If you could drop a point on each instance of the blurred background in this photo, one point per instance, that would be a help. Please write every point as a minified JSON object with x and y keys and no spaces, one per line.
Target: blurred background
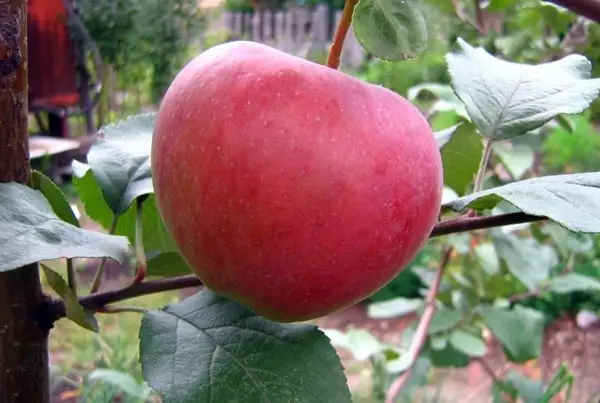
{"x":93,"y":62}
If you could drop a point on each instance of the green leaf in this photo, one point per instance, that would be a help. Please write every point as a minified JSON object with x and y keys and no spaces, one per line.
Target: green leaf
{"x":31,"y":232}
{"x":520,"y":330}
{"x":443,"y":136}
{"x":573,"y":201}
{"x":500,"y":5}
{"x":461,"y":156}
{"x":168,"y":264}
{"x":360,"y":342}
{"x":566,"y":241}
{"x":446,"y":6}
{"x":90,"y":194}
{"x":449,"y":357}
{"x":461,"y":242}
{"x":503,"y":392}
{"x":517,"y":158}
{"x":55,"y":197}
{"x":562,"y":379}
{"x":487,"y":258}
{"x":448,"y":195}
{"x":399,"y":364}
{"x":566,"y":122}
{"x":156,"y":237}
{"x":120,"y":161}
{"x":572,"y":282}
{"x":438,"y":341}
{"x":75,"y":311}
{"x":122,"y":380}
{"x":528,"y":260}
{"x":506,"y":99}
{"x":208,"y":348}
{"x":390,"y":30}
{"x":529,"y":390}
{"x":447,"y":101}
{"x":441,"y":91}
{"x":444,"y":319}
{"x":419,"y":375}
{"x":467,"y":343}
{"x":393,"y":308}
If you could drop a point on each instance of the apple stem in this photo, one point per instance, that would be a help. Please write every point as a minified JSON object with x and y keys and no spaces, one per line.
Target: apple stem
{"x":333,"y":58}
{"x":142,"y":266}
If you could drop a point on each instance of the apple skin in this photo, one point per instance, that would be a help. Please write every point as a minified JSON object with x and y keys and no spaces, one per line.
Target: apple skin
{"x":290,"y":187}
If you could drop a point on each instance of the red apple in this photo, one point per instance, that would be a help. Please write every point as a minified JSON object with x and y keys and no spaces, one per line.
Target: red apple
{"x":290,"y":187}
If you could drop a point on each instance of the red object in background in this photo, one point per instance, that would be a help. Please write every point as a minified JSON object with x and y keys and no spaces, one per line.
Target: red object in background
{"x":52,"y":59}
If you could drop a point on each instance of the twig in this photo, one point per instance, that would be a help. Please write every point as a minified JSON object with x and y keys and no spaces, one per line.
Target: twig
{"x":526,"y":295}
{"x":97,"y":281}
{"x":545,"y":288}
{"x":493,"y":376}
{"x":71,"y":279}
{"x":96,"y":301}
{"x":139,"y":243}
{"x":333,"y":58}
{"x":479,"y":16}
{"x":487,"y":369}
{"x":465,"y":223}
{"x":462,"y":15}
{"x":483,"y":163}
{"x":122,"y":309}
{"x":485,"y":159}
{"x":423,"y":327}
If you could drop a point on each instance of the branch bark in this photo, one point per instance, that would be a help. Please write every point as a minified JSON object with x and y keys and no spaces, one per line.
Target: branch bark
{"x":422,"y":331}
{"x":464,"y":224}
{"x":586,"y":8}
{"x":95,"y":301}
{"x":24,"y":376}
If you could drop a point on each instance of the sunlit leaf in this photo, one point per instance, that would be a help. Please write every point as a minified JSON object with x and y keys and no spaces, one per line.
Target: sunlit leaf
{"x":506,"y":99}
{"x":573,"y":201}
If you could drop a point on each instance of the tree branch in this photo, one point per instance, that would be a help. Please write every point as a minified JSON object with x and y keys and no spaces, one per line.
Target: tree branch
{"x":96,"y":301}
{"x":420,"y":337}
{"x":465,"y":223}
{"x":586,"y":8}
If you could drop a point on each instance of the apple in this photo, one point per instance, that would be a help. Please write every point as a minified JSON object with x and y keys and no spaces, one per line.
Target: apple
{"x":290,"y":187}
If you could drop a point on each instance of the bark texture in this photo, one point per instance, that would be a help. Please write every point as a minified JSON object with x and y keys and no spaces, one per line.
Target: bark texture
{"x":23,"y":341}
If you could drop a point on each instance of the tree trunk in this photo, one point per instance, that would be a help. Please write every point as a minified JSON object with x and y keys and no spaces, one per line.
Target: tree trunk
{"x":23,"y":344}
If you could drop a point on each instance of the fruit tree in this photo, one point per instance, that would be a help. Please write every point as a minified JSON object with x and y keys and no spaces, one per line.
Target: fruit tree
{"x":288,"y":190}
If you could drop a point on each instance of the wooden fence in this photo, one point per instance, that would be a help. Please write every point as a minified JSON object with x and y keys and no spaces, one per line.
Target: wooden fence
{"x":305,"y":32}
